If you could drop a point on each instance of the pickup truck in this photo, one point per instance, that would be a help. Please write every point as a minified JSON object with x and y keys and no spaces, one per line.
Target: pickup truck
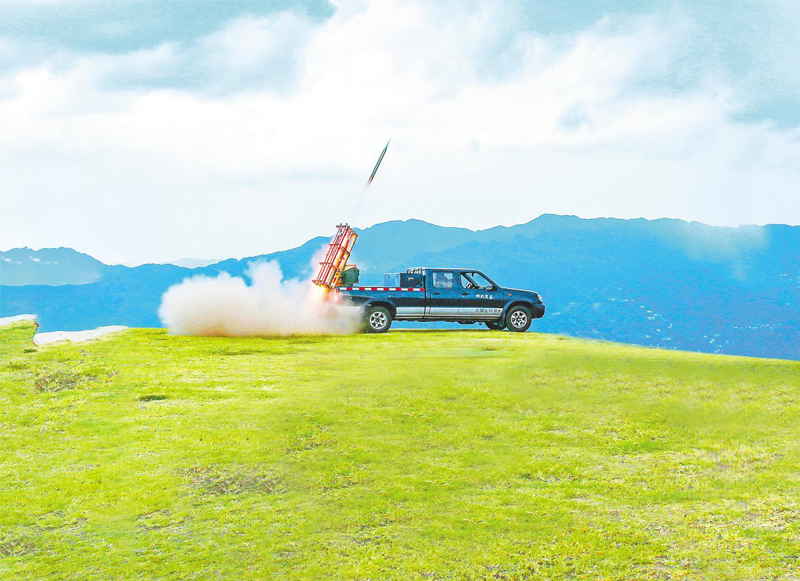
{"x":462,"y":295}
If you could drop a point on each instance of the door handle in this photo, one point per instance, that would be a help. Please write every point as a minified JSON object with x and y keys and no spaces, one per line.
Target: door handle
{"x":464,"y":294}
{"x":436,"y":293}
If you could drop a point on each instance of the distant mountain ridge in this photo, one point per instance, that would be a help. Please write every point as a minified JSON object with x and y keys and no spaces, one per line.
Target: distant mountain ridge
{"x":195,"y":262}
{"x":48,"y":266}
{"x":666,"y":283}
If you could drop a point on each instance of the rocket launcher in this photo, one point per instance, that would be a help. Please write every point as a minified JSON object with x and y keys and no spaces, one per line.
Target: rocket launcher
{"x":332,"y":268}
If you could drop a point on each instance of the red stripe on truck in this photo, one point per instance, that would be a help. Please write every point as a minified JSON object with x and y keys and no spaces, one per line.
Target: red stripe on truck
{"x":381,"y":288}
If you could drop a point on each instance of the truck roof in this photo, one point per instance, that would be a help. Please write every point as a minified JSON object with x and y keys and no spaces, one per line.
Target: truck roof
{"x":443,"y":268}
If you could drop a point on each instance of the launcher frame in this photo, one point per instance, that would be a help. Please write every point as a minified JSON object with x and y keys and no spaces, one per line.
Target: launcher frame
{"x":339,"y":249}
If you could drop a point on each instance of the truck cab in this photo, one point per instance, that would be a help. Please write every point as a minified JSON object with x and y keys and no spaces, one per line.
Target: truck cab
{"x":462,"y":295}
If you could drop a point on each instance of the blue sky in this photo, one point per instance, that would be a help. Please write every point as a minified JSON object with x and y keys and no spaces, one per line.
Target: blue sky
{"x":151,"y":130}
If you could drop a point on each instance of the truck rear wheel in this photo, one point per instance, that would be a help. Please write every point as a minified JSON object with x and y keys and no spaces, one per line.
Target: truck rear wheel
{"x":518,"y":319}
{"x":377,"y":320}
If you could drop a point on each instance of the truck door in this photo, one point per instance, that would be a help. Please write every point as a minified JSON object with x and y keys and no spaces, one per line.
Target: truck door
{"x":444,"y":294}
{"x":480,"y":299}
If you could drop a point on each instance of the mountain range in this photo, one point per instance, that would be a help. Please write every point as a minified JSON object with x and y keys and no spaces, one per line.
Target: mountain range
{"x":665,"y":283}
{"x":48,"y":266}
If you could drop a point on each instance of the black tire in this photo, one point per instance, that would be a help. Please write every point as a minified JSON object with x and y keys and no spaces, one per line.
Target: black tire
{"x":377,"y":320}
{"x":518,"y":319}
{"x":494,"y":325}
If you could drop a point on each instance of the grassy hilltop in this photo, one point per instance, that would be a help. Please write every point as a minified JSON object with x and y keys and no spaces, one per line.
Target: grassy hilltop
{"x":412,"y":455}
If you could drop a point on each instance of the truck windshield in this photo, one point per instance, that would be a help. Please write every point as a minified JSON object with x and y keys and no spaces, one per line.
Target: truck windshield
{"x":475,"y":280}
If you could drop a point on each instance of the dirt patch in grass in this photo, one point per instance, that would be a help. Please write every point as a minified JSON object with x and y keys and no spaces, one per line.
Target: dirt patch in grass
{"x":163,"y":521}
{"x":71,"y":371}
{"x":16,"y":546}
{"x":218,"y":481}
{"x":18,"y":364}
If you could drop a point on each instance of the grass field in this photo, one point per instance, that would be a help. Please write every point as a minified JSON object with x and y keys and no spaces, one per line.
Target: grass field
{"x":411,"y":455}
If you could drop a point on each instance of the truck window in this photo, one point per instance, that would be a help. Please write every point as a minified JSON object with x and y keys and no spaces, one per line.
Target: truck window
{"x":442,"y":280}
{"x":475,"y":280}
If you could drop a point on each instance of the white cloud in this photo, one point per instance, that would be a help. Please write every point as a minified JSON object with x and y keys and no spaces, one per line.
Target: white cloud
{"x":140,"y":65}
{"x":476,"y":108}
{"x":249,"y":49}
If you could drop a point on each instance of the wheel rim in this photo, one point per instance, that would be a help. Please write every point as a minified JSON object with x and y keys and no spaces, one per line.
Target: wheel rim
{"x":519,"y":319}
{"x":378,"y":320}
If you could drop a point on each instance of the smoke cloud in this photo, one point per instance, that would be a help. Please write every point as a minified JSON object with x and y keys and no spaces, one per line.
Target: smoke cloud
{"x":228,"y":306}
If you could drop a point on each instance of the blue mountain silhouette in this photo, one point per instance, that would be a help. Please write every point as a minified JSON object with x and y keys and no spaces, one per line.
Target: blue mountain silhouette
{"x":666,"y":283}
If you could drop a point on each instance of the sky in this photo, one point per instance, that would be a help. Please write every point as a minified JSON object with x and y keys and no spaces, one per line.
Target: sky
{"x":151,"y":130}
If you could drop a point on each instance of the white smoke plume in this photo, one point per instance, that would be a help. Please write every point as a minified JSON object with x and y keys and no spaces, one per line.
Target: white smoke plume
{"x":228,"y":306}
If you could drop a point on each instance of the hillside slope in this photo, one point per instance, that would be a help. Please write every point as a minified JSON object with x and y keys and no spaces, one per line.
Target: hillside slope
{"x":411,"y":455}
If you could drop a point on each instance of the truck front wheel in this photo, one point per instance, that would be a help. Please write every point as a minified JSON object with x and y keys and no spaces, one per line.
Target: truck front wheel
{"x":518,"y":319}
{"x":377,"y":319}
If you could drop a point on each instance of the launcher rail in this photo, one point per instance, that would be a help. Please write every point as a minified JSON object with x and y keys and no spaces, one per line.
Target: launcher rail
{"x":335,"y":262}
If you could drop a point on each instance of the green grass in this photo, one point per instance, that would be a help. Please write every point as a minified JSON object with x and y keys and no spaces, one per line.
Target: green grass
{"x":411,"y":455}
